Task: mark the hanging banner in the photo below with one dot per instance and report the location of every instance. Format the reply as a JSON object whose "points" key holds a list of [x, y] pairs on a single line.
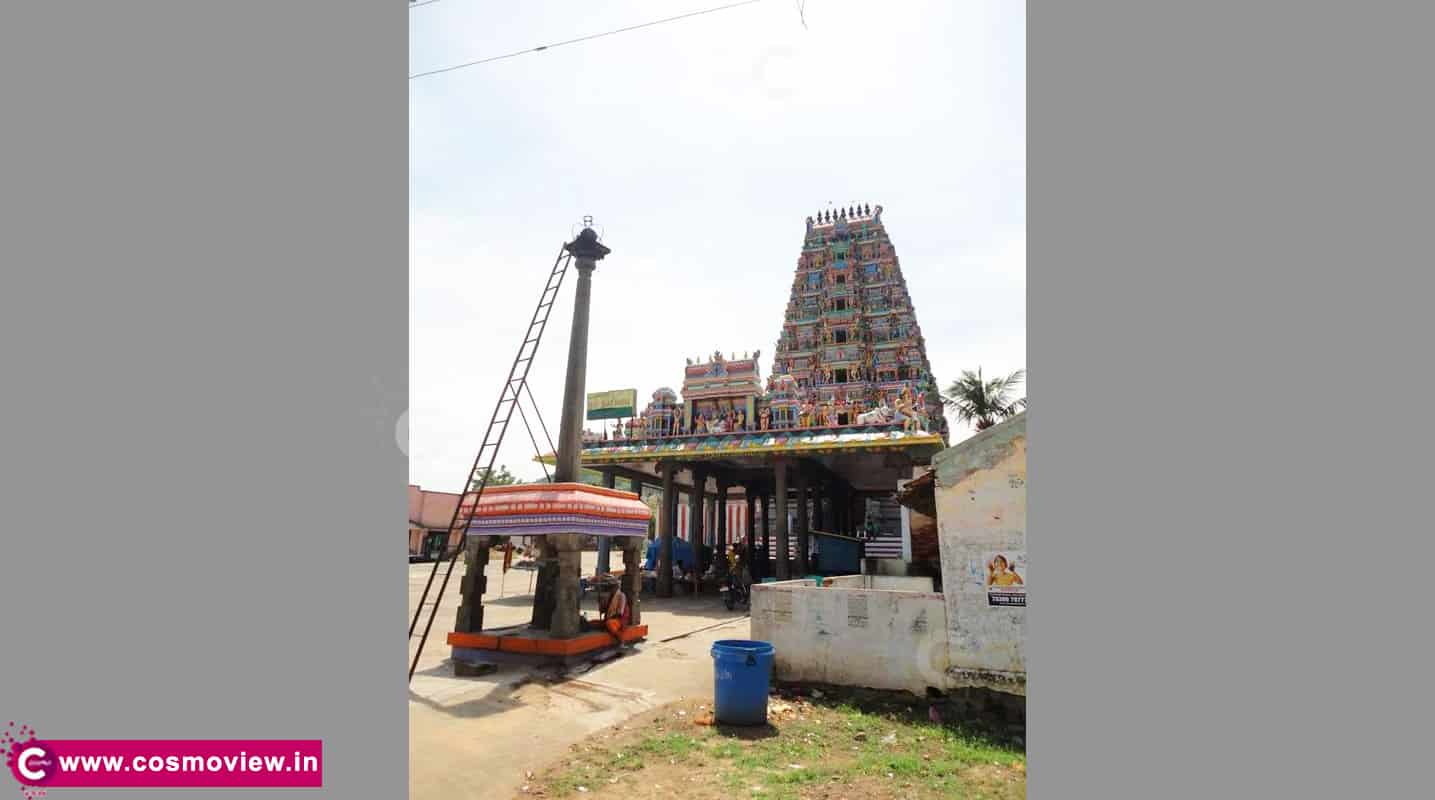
{"points": [[1006, 578], [615, 404]]}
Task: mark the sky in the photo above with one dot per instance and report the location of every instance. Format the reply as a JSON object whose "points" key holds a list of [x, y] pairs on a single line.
{"points": [[699, 147]]}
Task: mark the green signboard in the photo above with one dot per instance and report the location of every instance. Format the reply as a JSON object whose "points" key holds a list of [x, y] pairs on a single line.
{"points": [[616, 404]]}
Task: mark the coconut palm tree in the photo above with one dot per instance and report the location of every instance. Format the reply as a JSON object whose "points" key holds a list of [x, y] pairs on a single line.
{"points": [[983, 402]]}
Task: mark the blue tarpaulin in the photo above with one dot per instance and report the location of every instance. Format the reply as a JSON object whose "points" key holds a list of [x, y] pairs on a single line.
{"points": [[682, 553]]}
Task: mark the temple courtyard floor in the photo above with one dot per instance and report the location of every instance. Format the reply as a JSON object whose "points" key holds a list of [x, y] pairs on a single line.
{"points": [[479, 737]]}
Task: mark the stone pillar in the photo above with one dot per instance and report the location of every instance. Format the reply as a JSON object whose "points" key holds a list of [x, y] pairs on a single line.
{"points": [[633, 575], [605, 543], [749, 498], [565, 621], [720, 507], [665, 532], [819, 522], [475, 583], [802, 542], [779, 471], [636, 487], [587, 252], [843, 511], [544, 582], [712, 520], [696, 516], [767, 554], [548, 600]]}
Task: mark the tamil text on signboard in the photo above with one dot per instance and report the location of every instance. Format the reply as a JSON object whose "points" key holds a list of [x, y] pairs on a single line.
{"points": [[616, 404]]}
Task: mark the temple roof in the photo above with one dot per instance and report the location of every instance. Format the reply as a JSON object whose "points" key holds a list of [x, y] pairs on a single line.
{"points": [[752, 443]]}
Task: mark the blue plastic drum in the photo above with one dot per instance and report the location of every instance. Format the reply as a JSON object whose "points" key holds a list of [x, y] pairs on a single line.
{"points": [[742, 670]]}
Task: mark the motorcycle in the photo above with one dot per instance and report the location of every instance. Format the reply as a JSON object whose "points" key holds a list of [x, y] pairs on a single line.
{"points": [[734, 592]]}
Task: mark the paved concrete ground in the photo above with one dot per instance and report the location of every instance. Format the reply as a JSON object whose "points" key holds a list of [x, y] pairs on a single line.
{"points": [[476, 737]]}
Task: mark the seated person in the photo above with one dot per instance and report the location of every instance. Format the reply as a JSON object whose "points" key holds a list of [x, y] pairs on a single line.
{"points": [[616, 615]]}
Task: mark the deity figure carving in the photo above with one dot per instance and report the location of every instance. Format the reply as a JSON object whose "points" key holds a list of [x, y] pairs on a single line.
{"points": [[763, 418], [918, 421], [881, 415]]}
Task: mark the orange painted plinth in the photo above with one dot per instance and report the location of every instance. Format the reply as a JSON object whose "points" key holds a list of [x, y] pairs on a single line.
{"points": [[578, 645], [478, 641]]}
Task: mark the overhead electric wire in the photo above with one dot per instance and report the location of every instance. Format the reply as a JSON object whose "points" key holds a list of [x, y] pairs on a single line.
{"points": [[579, 39], [413, 5]]}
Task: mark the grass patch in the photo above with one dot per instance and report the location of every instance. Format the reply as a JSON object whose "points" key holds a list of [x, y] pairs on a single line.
{"points": [[865, 747], [673, 745]]}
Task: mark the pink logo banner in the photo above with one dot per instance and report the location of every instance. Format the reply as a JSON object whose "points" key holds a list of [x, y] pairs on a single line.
{"points": [[165, 763]]}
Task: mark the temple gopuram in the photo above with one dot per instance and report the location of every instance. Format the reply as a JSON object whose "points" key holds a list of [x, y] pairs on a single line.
{"points": [[813, 455]]}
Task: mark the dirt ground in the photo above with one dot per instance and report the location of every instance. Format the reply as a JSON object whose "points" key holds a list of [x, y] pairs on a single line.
{"points": [[479, 737]]}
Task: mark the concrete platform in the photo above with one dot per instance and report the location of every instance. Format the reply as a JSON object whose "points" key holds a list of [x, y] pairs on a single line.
{"points": [[520, 644]]}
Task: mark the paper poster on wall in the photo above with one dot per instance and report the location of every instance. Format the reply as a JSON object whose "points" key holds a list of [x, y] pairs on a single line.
{"points": [[1006, 578]]}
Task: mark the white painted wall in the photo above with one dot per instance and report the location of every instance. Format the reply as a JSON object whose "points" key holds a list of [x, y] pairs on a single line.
{"points": [[874, 638], [981, 508], [901, 583], [892, 631]]}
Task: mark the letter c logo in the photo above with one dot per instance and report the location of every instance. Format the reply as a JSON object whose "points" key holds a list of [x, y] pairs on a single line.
{"points": [[22, 763]]}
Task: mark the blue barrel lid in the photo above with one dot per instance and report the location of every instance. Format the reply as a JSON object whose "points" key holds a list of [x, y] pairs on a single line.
{"points": [[742, 646]]}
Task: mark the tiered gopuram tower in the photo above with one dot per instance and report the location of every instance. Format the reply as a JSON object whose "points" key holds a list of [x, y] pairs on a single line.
{"points": [[850, 339]]}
